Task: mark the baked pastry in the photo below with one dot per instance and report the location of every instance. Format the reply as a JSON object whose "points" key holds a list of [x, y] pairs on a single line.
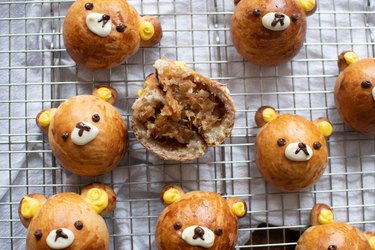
{"points": [[68, 220], [180, 112], [290, 151], [355, 92], [270, 33], [198, 220], [103, 34], [325, 233], [86, 133]]}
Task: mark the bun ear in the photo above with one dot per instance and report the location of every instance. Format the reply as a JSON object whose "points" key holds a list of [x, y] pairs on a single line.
{"points": [[106, 93], [238, 207], [170, 194], [150, 31], [345, 59], [264, 115], [309, 6], [321, 214], [325, 126], [44, 119], [29, 206], [371, 239], [100, 197]]}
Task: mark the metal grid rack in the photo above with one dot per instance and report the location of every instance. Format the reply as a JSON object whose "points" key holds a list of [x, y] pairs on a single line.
{"points": [[36, 72]]}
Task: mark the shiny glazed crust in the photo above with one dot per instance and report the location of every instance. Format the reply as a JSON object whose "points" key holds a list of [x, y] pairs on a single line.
{"points": [[271, 161], [260, 45], [196, 208], [154, 94], [98, 156], [61, 211], [342, 235], [355, 104], [91, 50]]}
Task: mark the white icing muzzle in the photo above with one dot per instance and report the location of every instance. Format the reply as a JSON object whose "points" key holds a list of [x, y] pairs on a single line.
{"points": [[298, 151], [60, 238], [99, 24], [373, 93], [83, 133], [276, 21], [198, 236]]}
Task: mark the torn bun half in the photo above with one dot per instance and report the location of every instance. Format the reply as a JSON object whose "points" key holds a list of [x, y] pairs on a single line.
{"points": [[180, 112]]}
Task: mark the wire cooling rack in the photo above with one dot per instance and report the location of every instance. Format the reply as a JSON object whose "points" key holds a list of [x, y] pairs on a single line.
{"points": [[36, 73]]}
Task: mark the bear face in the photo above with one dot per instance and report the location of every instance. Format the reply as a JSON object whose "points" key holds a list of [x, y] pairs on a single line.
{"points": [[327, 234], [198, 219], [355, 92], [68, 220], [87, 134], [103, 34], [269, 33], [290, 151]]}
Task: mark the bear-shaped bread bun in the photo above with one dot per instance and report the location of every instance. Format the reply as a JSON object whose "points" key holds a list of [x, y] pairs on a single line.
{"points": [[104, 33], [355, 92], [270, 32], [290, 151], [326, 234], [86, 133], [180, 112], [68, 220], [198, 220]]}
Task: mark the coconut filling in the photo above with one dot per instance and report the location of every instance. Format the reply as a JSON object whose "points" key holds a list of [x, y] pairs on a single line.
{"points": [[179, 111]]}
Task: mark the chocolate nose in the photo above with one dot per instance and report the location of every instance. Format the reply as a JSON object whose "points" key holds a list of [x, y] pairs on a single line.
{"points": [[60, 234], [276, 21], [302, 147], [198, 233], [278, 18]]}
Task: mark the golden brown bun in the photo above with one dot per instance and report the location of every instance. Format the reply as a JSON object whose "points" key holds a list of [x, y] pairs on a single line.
{"points": [[98, 156], [62, 211], [197, 208], [341, 235], [190, 112], [260, 45], [271, 161], [355, 104]]}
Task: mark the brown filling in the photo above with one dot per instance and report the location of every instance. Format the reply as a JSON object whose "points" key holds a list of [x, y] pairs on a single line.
{"points": [[189, 108]]}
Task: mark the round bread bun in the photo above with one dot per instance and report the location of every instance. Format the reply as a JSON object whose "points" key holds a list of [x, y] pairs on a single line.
{"points": [[180, 112], [355, 96], [111, 35], [285, 132], [267, 40], [98, 156]]}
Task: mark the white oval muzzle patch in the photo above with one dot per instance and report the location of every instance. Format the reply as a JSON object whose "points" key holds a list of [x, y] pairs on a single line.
{"points": [[99, 24], [83, 133], [60, 238], [298, 151], [198, 236], [276, 21]]}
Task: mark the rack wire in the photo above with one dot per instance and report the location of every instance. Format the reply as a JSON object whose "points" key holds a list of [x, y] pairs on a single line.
{"points": [[36, 72]]}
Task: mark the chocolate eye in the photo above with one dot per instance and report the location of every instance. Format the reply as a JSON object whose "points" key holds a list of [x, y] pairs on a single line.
{"points": [[120, 27], [317, 145], [89, 6], [332, 247], [78, 224], [281, 142], [295, 18], [366, 84], [218, 231], [65, 135], [95, 118], [256, 12], [177, 225], [38, 234]]}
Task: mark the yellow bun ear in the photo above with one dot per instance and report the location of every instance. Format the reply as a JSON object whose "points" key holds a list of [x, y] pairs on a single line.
{"points": [[264, 115], [324, 126], [100, 197], [170, 194], [29, 206], [345, 59], [321, 214], [238, 207], [309, 6], [44, 119], [106, 93], [150, 31]]}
